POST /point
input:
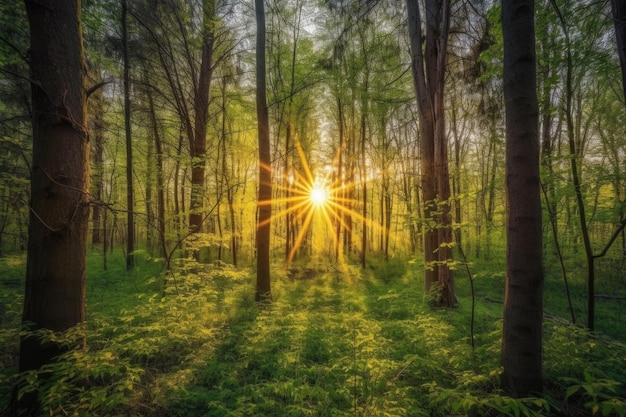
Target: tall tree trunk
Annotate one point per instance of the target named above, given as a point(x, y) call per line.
point(575, 150)
point(288, 179)
point(179, 200)
point(523, 303)
point(197, 145)
point(340, 183)
point(263, 283)
point(428, 69)
point(59, 212)
point(362, 147)
point(130, 216)
point(456, 178)
point(96, 133)
point(158, 146)
point(619, 20)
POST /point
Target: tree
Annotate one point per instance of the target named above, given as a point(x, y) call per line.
point(263, 283)
point(523, 304)
point(197, 145)
point(187, 70)
point(130, 196)
point(619, 21)
point(59, 212)
point(428, 69)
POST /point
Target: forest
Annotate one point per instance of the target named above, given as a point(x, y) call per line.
point(313, 208)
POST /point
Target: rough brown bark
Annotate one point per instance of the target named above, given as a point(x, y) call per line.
point(263, 282)
point(523, 304)
point(428, 68)
point(59, 212)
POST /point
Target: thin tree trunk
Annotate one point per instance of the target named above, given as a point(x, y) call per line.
point(96, 130)
point(575, 151)
point(339, 181)
point(619, 20)
point(149, 186)
point(288, 179)
point(160, 175)
point(263, 283)
point(130, 216)
point(364, 184)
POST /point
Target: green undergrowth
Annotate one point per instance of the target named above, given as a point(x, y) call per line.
point(335, 341)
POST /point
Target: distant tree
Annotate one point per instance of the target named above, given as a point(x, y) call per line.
point(14, 121)
point(160, 176)
point(263, 283)
point(182, 37)
point(619, 20)
point(523, 303)
point(59, 213)
point(130, 195)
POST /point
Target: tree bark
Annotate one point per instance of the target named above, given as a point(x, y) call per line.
point(158, 147)
point(197, 145)
point(263, 283)
point(523, 304)
point(619, 20)
point(130, 215)
point(59, 212)
point(428, 69)
point(96, 131)
point(341, 192)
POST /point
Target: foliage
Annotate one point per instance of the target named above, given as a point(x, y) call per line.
point(336, 341)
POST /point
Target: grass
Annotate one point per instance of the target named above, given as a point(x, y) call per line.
point(336, 341)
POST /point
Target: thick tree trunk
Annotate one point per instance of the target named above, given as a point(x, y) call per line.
point(428, 68)
point(263, 283)
point(59, 213)
point(523, 304)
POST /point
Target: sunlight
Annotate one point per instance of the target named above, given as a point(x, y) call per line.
point(319, 195)
point(306, 197)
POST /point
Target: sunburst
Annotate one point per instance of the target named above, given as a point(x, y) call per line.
point(308, 195)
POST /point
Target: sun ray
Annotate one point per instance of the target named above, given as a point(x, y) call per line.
point(307, 196)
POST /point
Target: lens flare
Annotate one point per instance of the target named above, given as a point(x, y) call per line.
point(305, 196)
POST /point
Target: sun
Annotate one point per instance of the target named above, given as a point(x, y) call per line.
point(307, 196)
point(319, 195)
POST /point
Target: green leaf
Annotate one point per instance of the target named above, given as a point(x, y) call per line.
point(571, 391)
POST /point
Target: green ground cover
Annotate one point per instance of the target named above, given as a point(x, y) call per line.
point(336, 341)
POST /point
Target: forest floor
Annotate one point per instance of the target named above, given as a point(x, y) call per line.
point(335, 341)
